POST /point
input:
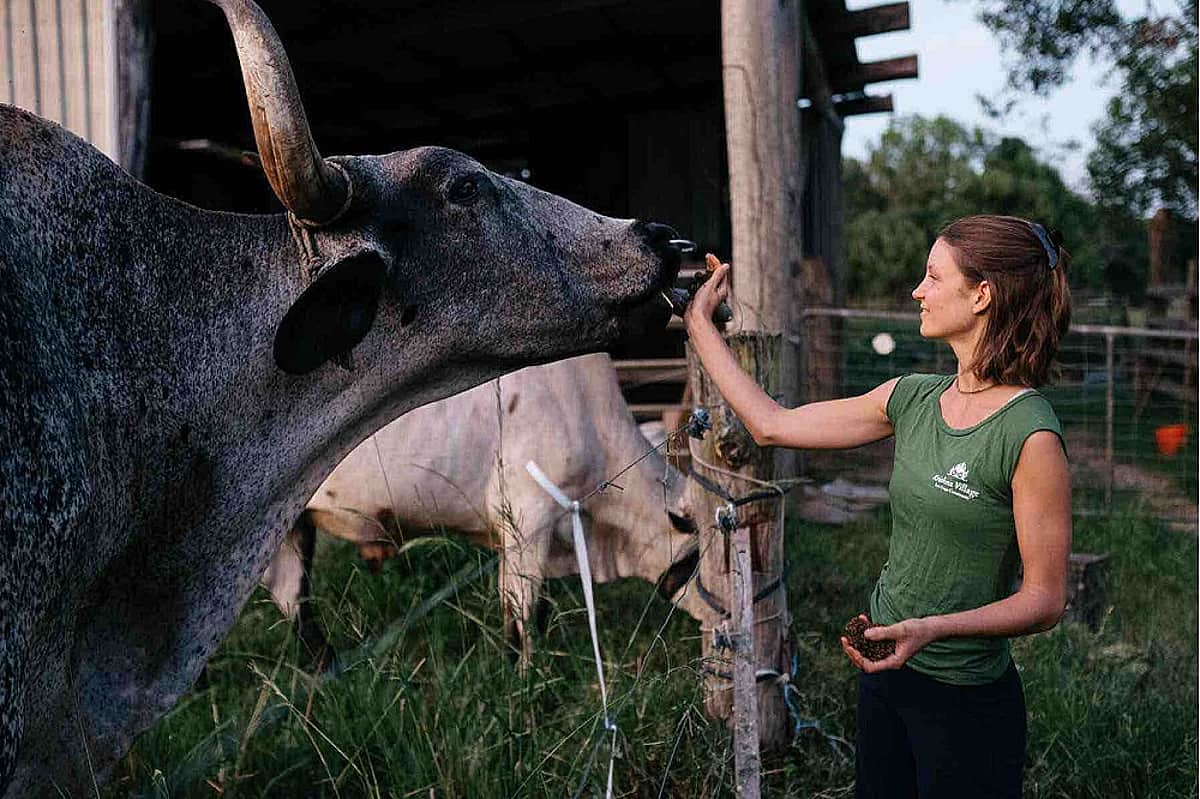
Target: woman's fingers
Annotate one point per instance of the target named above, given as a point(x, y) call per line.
point(852, 653)
point(720, 287)
point(713, 290)
point(881, 633)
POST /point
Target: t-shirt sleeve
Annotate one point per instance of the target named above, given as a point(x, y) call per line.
point(1033, 414)
point(908, 391)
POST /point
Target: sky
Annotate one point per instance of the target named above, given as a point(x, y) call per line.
point(959, 58)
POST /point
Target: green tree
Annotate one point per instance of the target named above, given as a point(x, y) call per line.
point(922, 166)
point(927, 172)
point(1145, 155)
point(885, 254)
point(1107, 246)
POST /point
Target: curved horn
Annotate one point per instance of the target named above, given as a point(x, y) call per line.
point(314, 191)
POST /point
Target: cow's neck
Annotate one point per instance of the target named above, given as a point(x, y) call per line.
point(278, 435)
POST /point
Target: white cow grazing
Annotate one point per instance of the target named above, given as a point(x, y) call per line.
point(459, 465)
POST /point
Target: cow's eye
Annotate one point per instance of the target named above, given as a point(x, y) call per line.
point(464, 190)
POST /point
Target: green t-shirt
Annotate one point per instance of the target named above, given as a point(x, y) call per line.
point(954, 541)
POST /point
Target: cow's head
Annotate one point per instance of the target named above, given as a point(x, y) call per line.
point(505, 274)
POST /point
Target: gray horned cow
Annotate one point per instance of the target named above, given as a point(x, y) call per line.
point(459, 465)
point(175, 383)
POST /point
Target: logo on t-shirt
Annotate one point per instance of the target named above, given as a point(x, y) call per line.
point(954, 481)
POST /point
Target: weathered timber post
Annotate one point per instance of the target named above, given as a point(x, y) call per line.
point(134, 34)
point(760, 55)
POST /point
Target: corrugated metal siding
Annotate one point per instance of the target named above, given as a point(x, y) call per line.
point(57, 60)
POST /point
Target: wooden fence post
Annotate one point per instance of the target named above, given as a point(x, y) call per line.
point(729, 448)
point(760, 42)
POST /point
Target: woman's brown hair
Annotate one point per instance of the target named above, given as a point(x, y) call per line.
point(1026, 266)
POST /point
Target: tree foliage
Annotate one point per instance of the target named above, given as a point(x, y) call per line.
point(926, 172)
point(1145, 154)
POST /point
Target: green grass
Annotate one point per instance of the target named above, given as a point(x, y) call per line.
point(1113, 713)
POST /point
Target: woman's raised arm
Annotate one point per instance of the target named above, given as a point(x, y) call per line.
point(834, 424)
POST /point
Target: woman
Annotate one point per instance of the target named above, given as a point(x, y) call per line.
point(980, 480)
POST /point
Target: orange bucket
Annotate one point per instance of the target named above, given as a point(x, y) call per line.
point(1169, 438)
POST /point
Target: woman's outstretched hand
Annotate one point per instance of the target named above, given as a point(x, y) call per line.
point(706, 299)
point(910, 635)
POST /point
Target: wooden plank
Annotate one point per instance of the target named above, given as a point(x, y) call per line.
point(25, 85)
point(99, 53)
point(651, 370)
point(50, 77)
point(644, 364)
point(75, 86)
point(665, 377)
point(646, 377)
point(873, 104)
point(747, 763)
point(6, 53)
point(876, 72)
point(866, 21)
point(643, 411)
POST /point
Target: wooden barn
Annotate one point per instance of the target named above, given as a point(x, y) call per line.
point(615, 104)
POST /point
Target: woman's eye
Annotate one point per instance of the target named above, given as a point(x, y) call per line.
point(464, 190)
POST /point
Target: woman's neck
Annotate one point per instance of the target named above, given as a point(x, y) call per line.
point(965, 348)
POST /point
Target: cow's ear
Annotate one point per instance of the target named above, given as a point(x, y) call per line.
point(331, 316)
point(683, 524)
point(679, 573)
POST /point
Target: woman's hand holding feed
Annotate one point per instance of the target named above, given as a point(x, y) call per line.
point(706, 299)
point(910, 636)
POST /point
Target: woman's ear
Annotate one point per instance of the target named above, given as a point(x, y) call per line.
point(981, 297)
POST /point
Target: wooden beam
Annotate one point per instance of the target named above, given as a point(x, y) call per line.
point(868, 21)
point(644, 411)
point(872, 104)
point(877, 71)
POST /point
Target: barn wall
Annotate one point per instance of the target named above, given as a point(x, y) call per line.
point(57, 59)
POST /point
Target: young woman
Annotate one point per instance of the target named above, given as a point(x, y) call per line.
point(980, 483)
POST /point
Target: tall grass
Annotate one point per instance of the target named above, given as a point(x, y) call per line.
point(445, 712)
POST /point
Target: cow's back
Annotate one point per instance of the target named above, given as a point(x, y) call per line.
point(451, 465)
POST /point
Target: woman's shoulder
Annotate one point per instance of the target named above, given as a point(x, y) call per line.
point(1031, 408)
point(914, 389)
point(1025, 415)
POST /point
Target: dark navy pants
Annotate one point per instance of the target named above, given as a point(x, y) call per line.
point(919, 738)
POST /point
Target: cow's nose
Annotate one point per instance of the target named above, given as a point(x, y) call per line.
point(659, 236)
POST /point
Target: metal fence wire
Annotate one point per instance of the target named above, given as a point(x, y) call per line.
point(1126, 396)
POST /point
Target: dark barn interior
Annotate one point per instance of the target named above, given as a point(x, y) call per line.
point(614, 104)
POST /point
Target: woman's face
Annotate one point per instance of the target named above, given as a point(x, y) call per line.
point(949, 305)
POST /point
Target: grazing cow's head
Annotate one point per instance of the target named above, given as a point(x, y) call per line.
point(510, 273)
